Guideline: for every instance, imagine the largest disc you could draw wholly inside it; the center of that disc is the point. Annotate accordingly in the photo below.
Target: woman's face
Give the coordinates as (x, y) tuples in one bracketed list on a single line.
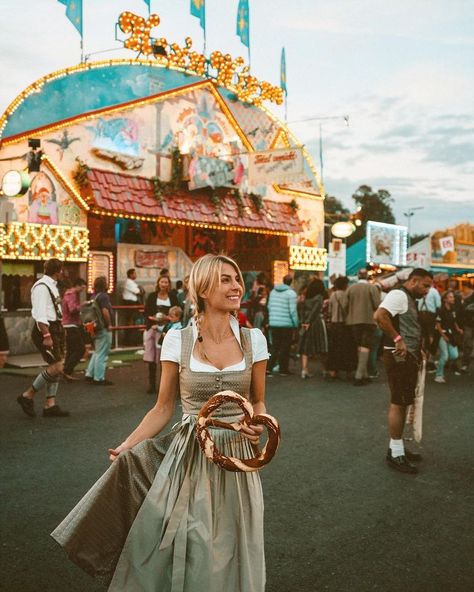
[(228, 293), (163, 284), (449, 298)]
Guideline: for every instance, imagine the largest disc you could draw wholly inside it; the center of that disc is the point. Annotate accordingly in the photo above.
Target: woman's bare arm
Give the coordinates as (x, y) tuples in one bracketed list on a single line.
[(159, 416), (257, 398)]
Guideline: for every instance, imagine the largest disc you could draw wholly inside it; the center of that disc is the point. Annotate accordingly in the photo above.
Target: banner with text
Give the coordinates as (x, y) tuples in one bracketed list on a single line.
[(276, 166)]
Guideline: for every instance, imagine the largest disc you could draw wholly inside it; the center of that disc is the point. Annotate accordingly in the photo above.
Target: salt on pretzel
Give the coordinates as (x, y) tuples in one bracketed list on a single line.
[(230, 463)]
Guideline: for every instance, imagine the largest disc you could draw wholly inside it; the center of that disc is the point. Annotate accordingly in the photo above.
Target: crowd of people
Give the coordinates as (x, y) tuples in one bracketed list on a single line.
[(336, 327), (162, 513)]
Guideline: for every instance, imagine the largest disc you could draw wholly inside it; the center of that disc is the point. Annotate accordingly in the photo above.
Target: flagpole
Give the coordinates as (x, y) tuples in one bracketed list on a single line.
[(204, 32), (82, 38), (249, 36)]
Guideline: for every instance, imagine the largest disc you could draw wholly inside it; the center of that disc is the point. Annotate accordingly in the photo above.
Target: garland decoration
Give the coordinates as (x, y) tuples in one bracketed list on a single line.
[(217, 203), (294, 205), (80, 174), (176, 168), (239, 201), (257, 201)]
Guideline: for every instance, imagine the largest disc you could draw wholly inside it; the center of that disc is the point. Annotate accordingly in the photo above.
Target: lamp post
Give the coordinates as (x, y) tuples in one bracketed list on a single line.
[(409, 214)]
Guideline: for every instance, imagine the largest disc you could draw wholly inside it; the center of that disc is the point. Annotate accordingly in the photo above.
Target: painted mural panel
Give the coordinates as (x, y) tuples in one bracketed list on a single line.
[(64, 98), (122, 141), (196, 124), (259, 128), (46, 202), (311, 214)]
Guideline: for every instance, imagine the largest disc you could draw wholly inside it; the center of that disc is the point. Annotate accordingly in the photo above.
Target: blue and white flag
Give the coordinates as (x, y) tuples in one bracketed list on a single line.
[(74, 13), (243, 22), (198, 9), (283, 71)]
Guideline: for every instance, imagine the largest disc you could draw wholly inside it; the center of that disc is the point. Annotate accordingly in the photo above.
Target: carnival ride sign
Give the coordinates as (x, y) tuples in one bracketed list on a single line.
[(386, 243), (151, 259), (210, 172), (275, 166), (446, 244), (100, 264)]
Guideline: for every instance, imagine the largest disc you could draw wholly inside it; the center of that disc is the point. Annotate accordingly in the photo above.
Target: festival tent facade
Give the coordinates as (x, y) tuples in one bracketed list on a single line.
[(145, 164)]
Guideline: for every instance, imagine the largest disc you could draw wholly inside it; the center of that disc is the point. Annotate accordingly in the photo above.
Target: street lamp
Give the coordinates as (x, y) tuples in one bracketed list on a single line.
[(408, 214)]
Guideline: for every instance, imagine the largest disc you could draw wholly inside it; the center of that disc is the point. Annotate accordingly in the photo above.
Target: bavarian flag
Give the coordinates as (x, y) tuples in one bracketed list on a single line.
[(74, 13), (243, 24), (283, 71), (198, 9)]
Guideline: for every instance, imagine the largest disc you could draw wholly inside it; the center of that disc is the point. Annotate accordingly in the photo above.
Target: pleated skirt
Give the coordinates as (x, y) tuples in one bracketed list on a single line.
[(165, 519)]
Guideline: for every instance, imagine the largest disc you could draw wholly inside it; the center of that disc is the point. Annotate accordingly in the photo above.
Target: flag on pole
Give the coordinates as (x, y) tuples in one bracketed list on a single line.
[(243, 22), (283, 71), (198, 9), (74, 13)]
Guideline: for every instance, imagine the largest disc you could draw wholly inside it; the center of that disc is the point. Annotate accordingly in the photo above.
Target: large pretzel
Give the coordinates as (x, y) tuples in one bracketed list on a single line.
[(230, 463)]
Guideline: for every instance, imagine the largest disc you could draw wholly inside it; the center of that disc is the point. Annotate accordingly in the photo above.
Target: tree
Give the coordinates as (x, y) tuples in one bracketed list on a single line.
[(374, 206), (334, 212), (416, 238), (333, 206)]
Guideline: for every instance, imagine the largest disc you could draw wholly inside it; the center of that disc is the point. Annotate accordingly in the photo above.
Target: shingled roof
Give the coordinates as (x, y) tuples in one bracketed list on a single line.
[(133, 197)]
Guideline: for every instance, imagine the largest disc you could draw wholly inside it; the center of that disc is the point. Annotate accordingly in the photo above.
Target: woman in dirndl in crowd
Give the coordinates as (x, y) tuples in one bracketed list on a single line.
[(342, 351), (312, 333), (157, 306), (163, 518)]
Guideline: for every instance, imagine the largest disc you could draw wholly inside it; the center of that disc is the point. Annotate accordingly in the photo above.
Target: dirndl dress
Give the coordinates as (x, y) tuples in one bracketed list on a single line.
[(165, 519)]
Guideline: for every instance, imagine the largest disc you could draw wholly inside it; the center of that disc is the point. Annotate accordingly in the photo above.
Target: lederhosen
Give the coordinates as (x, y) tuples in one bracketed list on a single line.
[(55, 353)]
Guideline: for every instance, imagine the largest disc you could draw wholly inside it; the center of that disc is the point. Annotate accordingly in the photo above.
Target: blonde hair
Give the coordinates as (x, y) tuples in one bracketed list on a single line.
[(176, 311), (205, 276)]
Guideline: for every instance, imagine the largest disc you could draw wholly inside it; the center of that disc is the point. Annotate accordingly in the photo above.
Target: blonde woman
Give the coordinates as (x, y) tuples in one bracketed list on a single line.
[(163, 518)]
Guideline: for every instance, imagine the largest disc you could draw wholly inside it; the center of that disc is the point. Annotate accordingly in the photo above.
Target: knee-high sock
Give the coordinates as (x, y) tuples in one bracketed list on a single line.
[(362, 359), (51, 389), (42, 380)]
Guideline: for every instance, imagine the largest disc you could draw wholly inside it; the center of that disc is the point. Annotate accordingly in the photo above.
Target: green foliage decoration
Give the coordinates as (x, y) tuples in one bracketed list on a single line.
[(294, 205), (257, 201), (80, 174)]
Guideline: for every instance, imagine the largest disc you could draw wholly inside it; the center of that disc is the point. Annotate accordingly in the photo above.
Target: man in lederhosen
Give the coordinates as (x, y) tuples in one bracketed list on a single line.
[(48, 337), (397, 316)]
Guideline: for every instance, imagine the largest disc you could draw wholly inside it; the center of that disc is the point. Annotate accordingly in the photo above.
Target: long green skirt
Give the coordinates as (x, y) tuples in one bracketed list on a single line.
[(165, 519)]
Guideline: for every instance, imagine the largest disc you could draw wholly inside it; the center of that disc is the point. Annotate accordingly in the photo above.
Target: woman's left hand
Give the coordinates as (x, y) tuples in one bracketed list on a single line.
[(252, 432)]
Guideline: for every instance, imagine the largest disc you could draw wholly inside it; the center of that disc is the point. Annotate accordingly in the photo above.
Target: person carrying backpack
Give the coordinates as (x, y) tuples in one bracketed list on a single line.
[(101, 308)]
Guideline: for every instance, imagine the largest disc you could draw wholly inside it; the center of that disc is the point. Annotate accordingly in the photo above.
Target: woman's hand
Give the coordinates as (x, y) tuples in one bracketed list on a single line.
[(252, 432), (114, 452)]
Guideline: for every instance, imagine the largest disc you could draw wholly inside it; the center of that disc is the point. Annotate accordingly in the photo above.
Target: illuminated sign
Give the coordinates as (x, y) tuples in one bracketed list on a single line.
[(308, 258), (386, 243), (225, 70)]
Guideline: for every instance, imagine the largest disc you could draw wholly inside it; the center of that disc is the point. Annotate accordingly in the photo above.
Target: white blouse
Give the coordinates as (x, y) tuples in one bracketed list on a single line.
[(171, 349)]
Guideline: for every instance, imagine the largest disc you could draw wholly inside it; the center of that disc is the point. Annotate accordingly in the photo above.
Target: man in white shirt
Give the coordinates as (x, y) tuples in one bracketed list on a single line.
[(131, 296), (48, 337), (397, 316)]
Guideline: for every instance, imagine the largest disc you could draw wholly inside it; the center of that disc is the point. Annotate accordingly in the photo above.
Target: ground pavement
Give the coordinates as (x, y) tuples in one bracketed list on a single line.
[(337, 519)]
